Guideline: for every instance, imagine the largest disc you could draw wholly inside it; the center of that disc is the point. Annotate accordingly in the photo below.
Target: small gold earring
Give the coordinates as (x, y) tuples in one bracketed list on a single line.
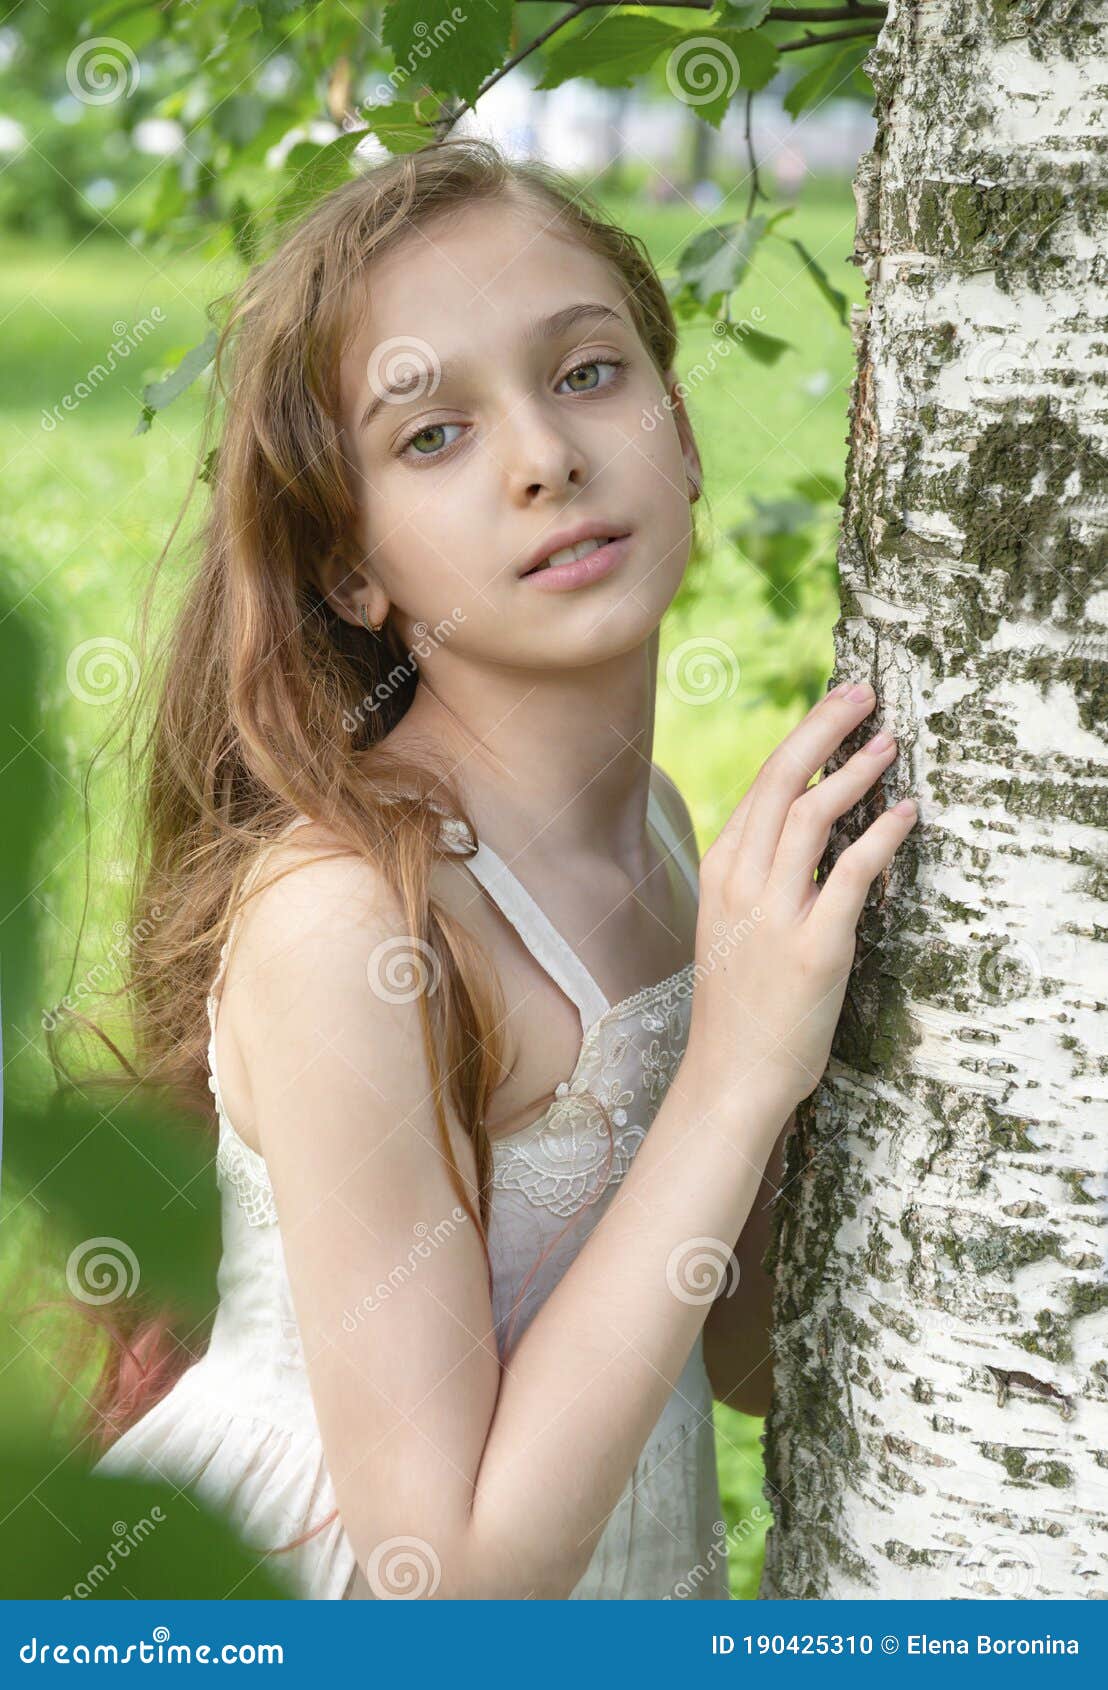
[(371, 627)]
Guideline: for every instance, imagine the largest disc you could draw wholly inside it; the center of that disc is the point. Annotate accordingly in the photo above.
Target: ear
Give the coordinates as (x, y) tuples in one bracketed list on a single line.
[(693, 467), (349, 587)]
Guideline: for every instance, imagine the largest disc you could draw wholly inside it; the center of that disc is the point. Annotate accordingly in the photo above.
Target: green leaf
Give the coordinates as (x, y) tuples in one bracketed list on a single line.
[(778, 516), (819, 488), (834, 298), (277, 124), (67, 1532), (169, 201), (763, 348), (778, 539), (704, 67), (716, 260), (317, 168), (613, 52), (827, 76), (245, 234), (239, 117), (432, 48), (273, 11), (158, 394), (707, 70), (743, 14), (241, 27), (399, 127), (136, 29)]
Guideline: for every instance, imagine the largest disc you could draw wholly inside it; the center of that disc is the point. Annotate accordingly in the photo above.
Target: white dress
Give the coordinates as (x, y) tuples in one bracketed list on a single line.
[(239, 1425)]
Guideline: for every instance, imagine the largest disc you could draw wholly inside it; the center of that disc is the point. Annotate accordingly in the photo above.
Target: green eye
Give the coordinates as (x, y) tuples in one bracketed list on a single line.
[(422, 434), (435, 428), (593, 364)]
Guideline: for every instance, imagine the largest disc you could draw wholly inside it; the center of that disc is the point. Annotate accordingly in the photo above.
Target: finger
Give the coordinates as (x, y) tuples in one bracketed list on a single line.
[(811, 817), (731, 833), (784, 776), (839, 903)]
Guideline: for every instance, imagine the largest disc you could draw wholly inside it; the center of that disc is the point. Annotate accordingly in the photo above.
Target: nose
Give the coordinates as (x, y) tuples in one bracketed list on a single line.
[(540, 453)]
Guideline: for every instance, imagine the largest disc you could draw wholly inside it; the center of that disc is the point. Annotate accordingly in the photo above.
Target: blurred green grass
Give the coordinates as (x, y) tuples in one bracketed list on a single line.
[(89, 506)]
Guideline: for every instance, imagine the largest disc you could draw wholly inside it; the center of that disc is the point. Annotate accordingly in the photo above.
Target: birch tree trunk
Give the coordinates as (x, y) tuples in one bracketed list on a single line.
[(940, 1417)]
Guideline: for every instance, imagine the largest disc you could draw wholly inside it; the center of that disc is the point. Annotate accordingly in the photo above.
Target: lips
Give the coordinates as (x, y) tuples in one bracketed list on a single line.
[(598, 531)]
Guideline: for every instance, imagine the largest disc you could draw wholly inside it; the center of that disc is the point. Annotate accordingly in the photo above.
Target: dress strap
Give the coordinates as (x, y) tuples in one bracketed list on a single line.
[(672, 842), (551, 951)]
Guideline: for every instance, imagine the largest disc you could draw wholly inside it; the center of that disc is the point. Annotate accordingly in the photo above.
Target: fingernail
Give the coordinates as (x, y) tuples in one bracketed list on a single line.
[(880, 742), (837, 692), (906, 807), (862, 690)]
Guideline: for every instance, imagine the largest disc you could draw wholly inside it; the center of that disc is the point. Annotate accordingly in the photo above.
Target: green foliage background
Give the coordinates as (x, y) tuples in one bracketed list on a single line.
[(89, 504)]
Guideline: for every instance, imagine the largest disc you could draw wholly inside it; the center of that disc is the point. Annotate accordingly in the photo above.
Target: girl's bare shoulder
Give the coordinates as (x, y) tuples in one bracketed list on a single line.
[(312, 918), (309, 885)]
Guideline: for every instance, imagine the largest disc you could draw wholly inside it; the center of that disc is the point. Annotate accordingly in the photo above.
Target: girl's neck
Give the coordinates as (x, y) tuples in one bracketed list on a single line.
[(551, 765)]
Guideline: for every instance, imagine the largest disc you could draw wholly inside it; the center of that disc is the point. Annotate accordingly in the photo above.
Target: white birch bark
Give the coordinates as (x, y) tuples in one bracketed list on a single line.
[(940, 1419)]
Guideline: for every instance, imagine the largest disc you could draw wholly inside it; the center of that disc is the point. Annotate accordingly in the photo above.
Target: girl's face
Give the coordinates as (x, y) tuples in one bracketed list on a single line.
[(496, 395)]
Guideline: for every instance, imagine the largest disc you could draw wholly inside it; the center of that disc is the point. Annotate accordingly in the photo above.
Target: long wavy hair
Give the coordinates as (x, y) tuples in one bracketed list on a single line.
[(253, 708)]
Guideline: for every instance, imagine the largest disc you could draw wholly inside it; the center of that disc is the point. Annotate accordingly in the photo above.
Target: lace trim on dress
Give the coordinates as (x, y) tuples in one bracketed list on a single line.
[(237, 1166), (563, 1161), (241, 1168), (559, 1162)]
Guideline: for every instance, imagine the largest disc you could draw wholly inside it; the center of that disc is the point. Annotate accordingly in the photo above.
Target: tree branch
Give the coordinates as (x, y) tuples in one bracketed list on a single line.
[(755, 186), (811, 40), (449, 115), (776, 14), (821, 14)]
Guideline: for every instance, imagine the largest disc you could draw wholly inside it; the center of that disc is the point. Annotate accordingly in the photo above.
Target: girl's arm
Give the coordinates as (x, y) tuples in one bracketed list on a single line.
[(499, 1485), (738, 1331), (737, 1352)]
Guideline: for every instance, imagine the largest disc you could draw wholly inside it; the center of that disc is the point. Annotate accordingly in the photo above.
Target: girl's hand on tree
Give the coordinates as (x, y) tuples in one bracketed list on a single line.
[(774, 950)]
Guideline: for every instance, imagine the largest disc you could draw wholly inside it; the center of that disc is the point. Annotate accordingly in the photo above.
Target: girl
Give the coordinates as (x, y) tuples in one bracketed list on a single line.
[(495, 1099)]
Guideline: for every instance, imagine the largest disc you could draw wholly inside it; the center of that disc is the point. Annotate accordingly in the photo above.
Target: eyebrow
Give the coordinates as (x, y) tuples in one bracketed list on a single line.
[(540, 328)]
